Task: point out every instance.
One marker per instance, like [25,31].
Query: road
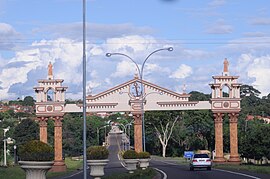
[168,168]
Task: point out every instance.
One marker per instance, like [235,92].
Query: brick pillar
[219,137]
[43,137]
[138,132]
[234,156]
[59,164]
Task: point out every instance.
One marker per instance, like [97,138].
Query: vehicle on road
[200,161]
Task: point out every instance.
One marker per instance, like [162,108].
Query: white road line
[164,174]
[73,174]
[237,173]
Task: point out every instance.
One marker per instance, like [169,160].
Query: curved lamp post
[140,71]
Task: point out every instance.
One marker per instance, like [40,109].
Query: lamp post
[15,154]
[84,91]
[5,146]
[140,71]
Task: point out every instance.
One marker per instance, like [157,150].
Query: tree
[25,131]
[28,101]
[163,123]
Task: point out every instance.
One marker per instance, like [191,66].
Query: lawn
[245,167]
[17,173]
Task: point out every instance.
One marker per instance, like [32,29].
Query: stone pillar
[219,137]
[43,136]
[59,164]
[138,132]
[234,156]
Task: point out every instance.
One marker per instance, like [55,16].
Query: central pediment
[133,89]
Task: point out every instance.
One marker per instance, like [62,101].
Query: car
[200,161]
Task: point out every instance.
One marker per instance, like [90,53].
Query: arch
[226,91]
[50,94]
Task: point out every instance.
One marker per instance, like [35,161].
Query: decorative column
[234,156]
[219,137]
[138,132]
[43,129]
[59,164]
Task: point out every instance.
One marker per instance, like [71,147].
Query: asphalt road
[171,170]
[168,168]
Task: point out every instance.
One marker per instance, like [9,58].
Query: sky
[203,33]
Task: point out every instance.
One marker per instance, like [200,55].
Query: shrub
[97,153]
[143,155]
[130,154]
[36,150]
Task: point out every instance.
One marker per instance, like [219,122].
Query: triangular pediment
[148,88]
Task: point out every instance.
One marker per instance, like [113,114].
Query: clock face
[136,89]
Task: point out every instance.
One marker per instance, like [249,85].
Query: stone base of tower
[234,160]
[219,160]
[58,166]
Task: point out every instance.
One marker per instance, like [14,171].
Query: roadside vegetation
[246,167]
[15,172]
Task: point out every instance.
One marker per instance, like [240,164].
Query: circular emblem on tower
[49,108]
[226,104]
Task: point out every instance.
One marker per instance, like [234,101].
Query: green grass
[12,172]
[245,167]
[72,165]
[15,172]
[149,173]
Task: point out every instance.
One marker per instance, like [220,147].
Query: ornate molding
[42,121]
[218,117]
[137,119]
[178,104]
[233,117]
[58,121]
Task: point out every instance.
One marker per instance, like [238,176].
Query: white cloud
[96,31]
[219,27]
[130,44]
[183,71]
[217,3]
[259,69]
[8,36]
[125,68]
[255,34]
[260,21]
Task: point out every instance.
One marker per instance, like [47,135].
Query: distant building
[251,117]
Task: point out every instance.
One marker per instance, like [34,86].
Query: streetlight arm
[169,49]
[121,54]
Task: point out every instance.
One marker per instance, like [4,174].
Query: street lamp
[140,71]
[5,146]
[15,154]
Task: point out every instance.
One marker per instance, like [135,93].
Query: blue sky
[202,33]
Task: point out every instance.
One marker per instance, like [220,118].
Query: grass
[15,172]
[12,172]
[72,165]
[149,173]
[245,167]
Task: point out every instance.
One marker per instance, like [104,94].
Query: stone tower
[226,99]
[50,103]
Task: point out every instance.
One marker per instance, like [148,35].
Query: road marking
[73,175]
[164,174]
[236,173]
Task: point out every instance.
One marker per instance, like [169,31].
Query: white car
[200,161]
